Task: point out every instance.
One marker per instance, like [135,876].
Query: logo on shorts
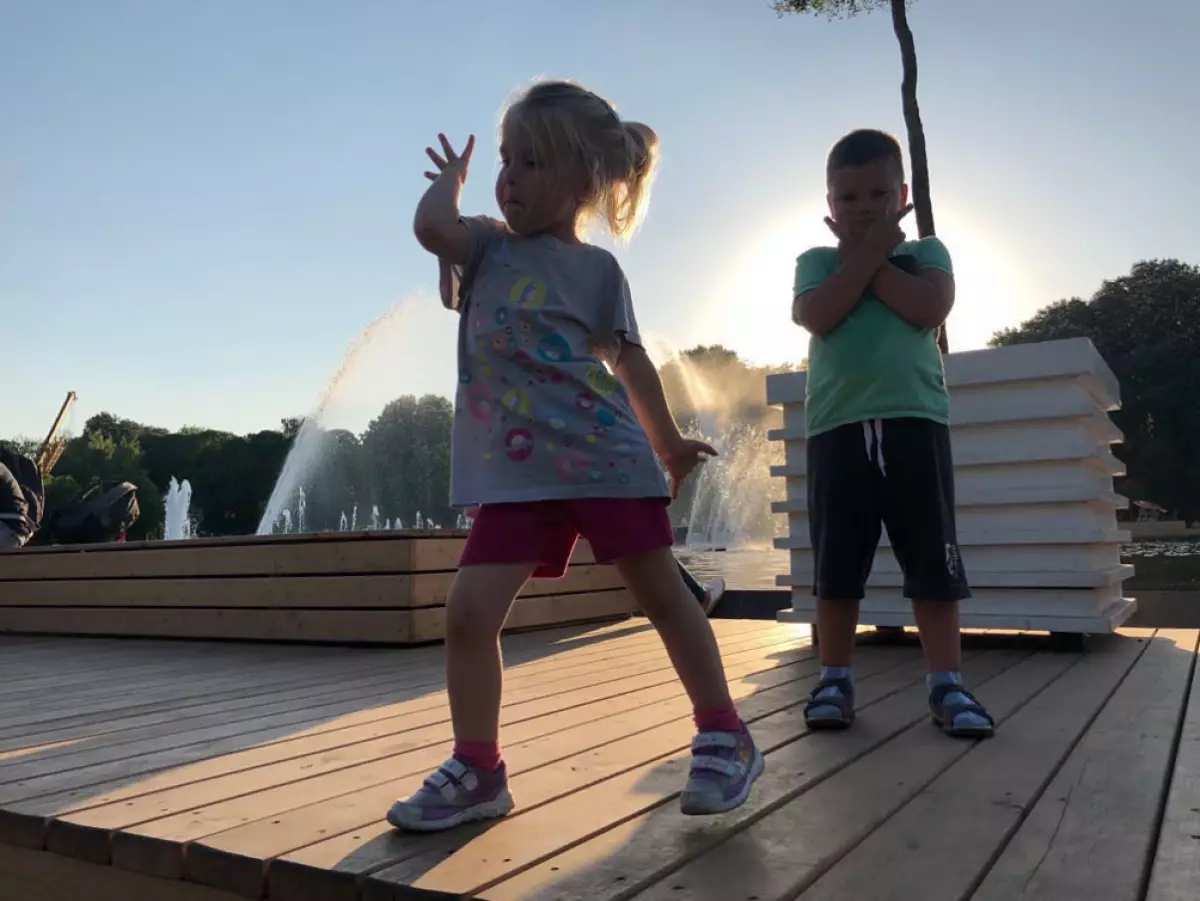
[953,560]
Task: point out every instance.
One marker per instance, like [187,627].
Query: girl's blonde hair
[572,127]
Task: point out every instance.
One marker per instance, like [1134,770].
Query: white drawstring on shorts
[873,438]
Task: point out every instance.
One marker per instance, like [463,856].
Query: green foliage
[1146,325]
[60,490]
[23,445]
[832,9]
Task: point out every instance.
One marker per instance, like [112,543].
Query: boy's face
[862,195]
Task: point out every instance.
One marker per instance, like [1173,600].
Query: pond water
[1157,563]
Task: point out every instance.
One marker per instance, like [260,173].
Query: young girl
[549,443]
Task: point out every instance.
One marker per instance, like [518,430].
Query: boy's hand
[877,242]
[452,163]
[682,457]
[845,238]
[885,234]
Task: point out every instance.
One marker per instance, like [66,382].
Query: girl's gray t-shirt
[538,414]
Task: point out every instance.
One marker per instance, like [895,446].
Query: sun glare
[749,306]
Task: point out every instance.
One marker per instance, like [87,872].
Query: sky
[203,205]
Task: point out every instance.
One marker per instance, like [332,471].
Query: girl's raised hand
[451,162]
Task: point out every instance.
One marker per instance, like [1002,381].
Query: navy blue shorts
[893,473]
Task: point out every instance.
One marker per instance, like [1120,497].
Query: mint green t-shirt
[874,365]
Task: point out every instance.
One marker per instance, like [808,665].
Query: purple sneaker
[724,767]
[457,793]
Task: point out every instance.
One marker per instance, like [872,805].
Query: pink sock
[483,755]
[718,719]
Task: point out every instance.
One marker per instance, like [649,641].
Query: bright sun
[749,308]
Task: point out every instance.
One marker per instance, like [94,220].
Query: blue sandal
[843,701]
[944,715]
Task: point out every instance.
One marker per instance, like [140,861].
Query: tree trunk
[922,203]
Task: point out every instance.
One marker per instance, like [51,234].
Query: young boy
[878,417]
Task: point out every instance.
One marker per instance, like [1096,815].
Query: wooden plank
[625,856]
[70,667]
[343,591]
[328,712]
[1092,832]
[184,804]
[575,642]
[193,659]
[643,794]
[1175,874]
[545,771]
[343,626]
[279,555]
[35,717]
[156,846]
[937,844]
[336,687]
[86,655]
[38,876]
[577,746]
[530,666]
[25,824]
[383,626]
[200,558]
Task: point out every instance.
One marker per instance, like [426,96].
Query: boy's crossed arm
[923,299]
[822,309]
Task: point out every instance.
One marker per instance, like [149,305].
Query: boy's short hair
[866,145]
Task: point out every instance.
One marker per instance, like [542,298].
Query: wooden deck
[160,771]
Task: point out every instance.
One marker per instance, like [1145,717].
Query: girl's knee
[463,628]
[474,615]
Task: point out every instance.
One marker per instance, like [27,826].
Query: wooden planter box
[378,587]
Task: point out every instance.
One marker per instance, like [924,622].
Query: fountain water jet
[729,496]
[307,446]
[176,524]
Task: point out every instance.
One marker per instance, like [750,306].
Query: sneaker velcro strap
[451,772]
[714,740]
[723,765]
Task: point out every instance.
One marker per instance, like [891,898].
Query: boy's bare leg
[837,623]
[937,622]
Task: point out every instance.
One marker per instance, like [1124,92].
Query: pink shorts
[545,532]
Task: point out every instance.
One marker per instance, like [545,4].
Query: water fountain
[727,502]
[732,493]
[307,446]
[177,525]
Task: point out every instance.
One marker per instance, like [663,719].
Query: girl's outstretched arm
[640,377]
